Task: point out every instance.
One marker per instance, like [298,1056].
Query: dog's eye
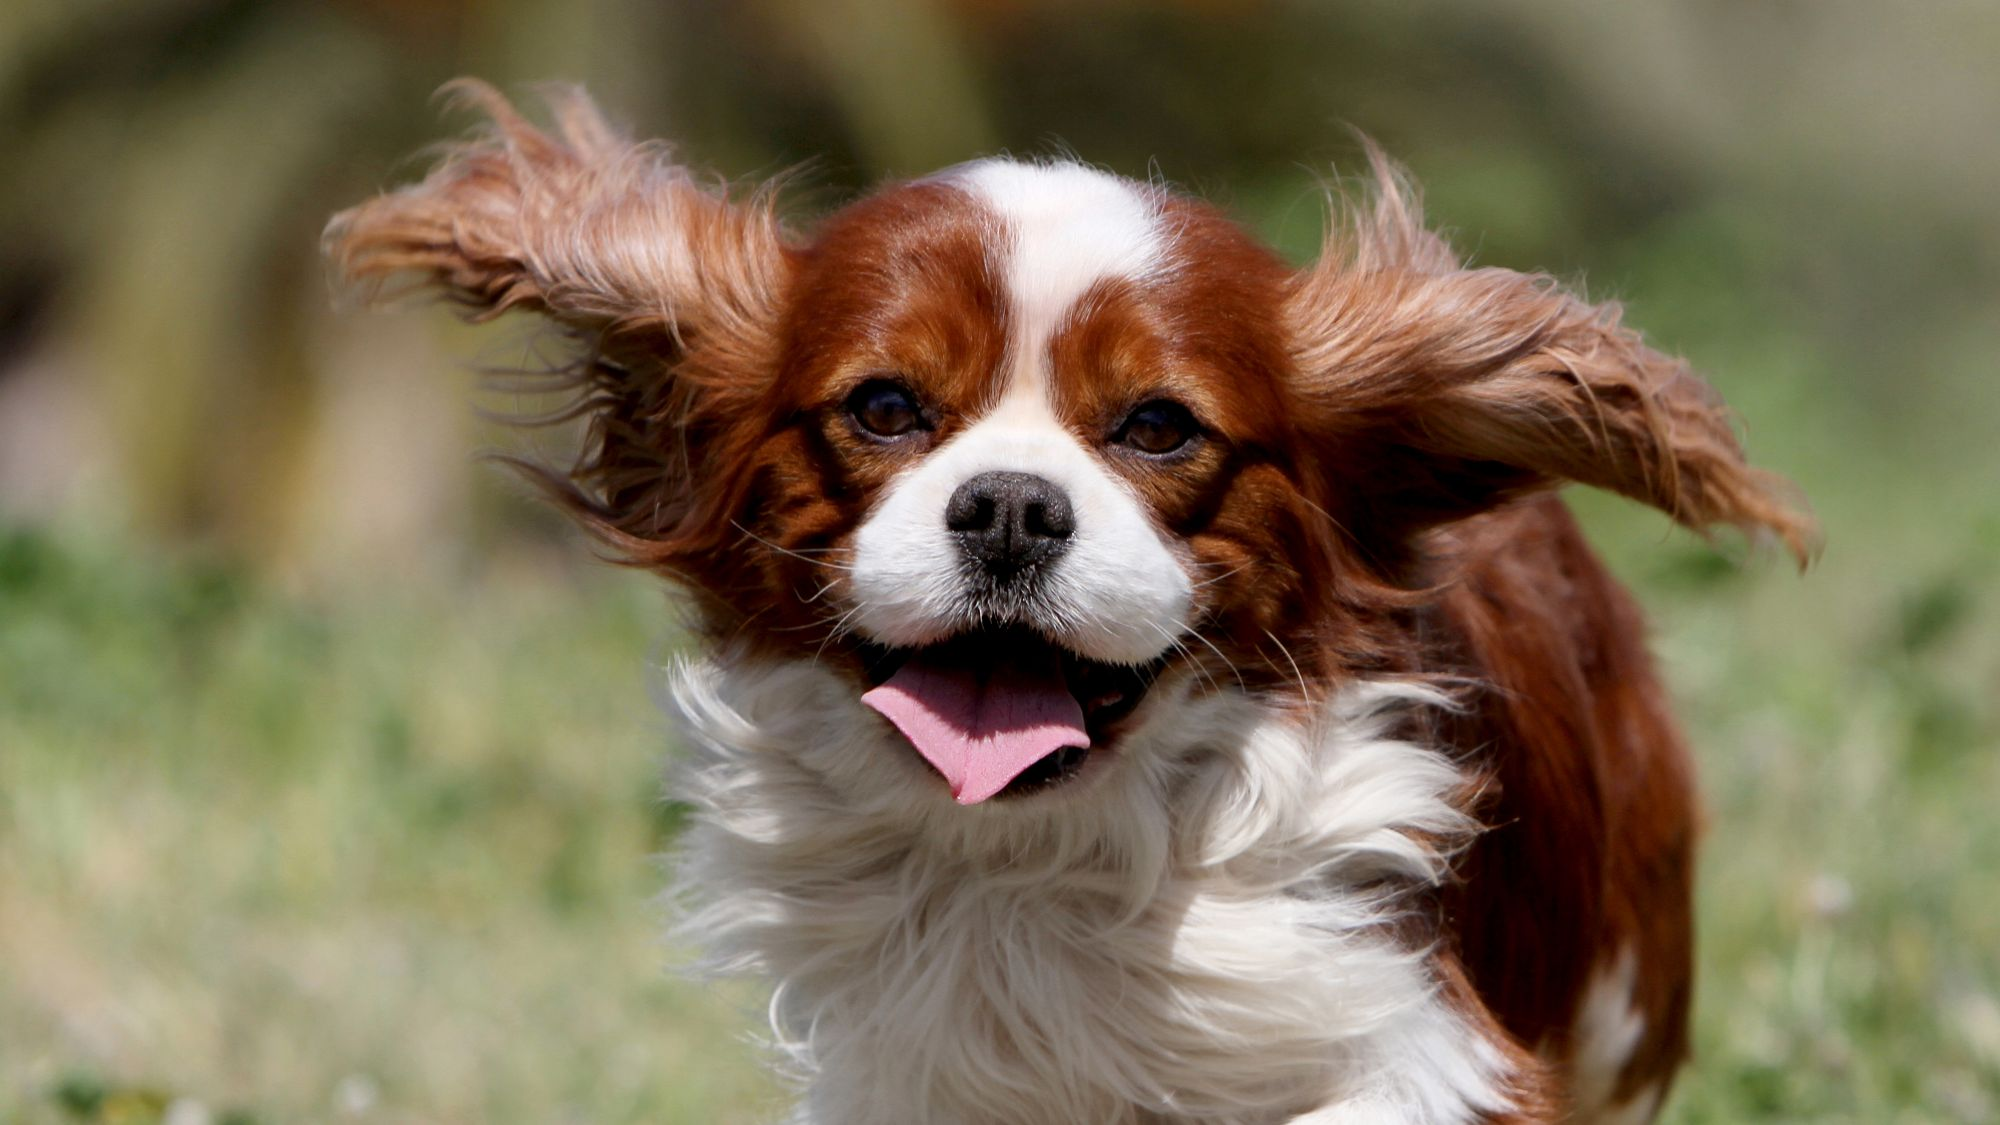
[885,409]
[1158,427]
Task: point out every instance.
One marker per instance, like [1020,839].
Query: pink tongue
[981,727]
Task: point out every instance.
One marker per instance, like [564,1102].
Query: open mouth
[1003,712]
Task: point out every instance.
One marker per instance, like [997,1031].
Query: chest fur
[1202,938]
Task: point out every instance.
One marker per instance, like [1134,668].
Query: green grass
[280,856]
[389,854]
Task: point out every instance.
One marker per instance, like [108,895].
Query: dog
[1138,680]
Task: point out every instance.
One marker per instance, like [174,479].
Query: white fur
[1194,930]
[1065,227]
[1118,594]
[1608,1029]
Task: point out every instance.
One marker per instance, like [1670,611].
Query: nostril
[969,510]
[1049,518]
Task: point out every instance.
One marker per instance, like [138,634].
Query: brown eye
[1158,427]
[885,409]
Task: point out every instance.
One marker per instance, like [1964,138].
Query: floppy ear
[1442,391]
[671,291]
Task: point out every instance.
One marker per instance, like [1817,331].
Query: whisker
[819,622]
[1183,649]
[1303,690]
[1225,574]
[1227,663]
[838,629]
[802,556]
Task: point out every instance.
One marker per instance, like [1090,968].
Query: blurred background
[328,768]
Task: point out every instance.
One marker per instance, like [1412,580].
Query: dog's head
[1010,444]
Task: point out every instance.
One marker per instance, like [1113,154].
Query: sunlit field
[391,858]
[392,854]
[331,777]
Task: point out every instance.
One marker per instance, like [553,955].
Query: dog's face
[1008,446]
[1043,434]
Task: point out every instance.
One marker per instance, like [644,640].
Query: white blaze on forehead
[1065,227]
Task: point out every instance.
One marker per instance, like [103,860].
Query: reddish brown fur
[1590,852]
[1450,389]
[1377,427]
[672,290]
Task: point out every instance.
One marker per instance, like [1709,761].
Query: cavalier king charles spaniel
[1137,680]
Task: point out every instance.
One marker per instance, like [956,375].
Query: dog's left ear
[1438,391]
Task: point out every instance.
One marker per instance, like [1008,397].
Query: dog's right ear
[672,290]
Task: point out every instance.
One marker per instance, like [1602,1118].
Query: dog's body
[1308,767]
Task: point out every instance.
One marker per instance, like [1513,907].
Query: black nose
[1009,522]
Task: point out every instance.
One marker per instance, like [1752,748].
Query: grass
[388,859]
[388,854]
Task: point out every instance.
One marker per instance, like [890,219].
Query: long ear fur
[671,290]
[1469,386]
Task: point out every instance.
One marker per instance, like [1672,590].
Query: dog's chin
[1106,695]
